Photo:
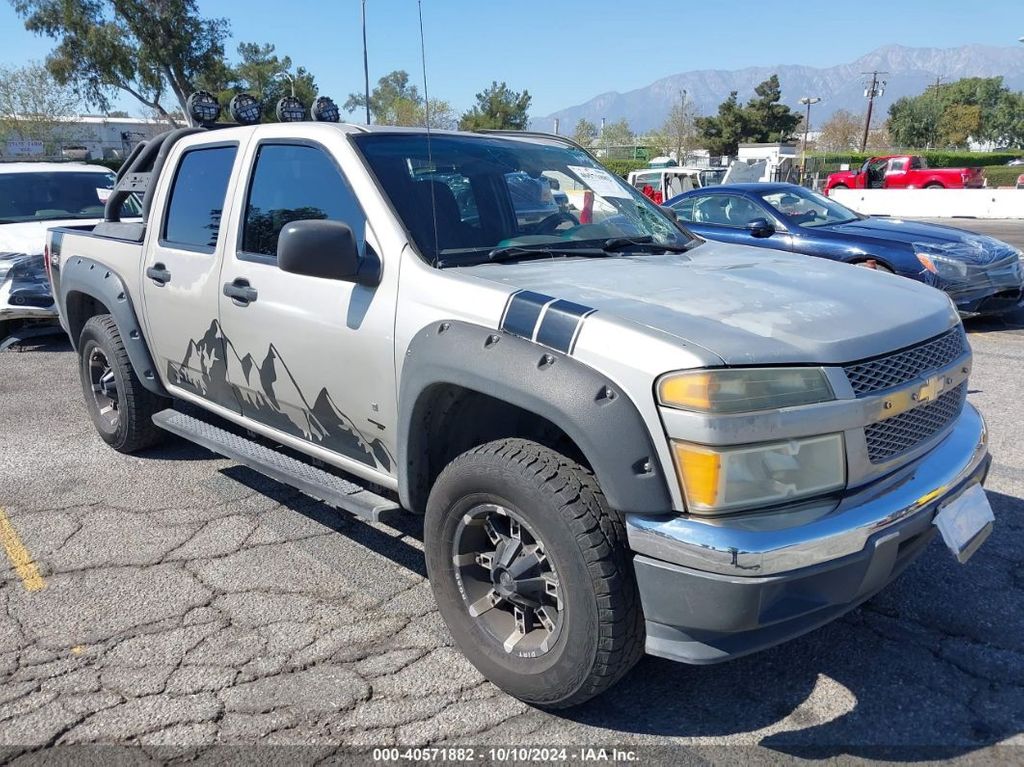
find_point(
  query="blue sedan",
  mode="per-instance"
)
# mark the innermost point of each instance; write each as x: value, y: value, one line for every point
x: 981, y: 274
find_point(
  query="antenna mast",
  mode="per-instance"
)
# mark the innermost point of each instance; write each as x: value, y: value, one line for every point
x: 366, y: 68
x: 426, y: 119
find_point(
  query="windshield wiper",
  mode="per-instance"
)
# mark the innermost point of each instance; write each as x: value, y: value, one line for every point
x: 616, y: 244
x: 511, y: 252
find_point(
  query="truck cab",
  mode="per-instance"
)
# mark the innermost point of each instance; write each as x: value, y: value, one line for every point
x: 622, y: 438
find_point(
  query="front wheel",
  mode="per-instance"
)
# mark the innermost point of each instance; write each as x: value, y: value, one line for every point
x: 121, y: 408
x: 532, y: 573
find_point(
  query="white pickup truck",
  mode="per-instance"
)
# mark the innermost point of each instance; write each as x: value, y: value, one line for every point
x: 622, y: 437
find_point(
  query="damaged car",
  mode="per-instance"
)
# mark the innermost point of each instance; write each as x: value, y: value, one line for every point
x: 982, y: 275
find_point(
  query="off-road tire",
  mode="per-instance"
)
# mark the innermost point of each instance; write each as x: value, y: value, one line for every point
x: 601, y: 632
x: 134, y: 429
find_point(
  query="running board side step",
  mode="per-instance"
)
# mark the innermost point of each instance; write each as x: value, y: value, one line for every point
x: 320, y: 484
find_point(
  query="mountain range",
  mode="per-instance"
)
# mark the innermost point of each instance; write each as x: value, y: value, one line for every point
x: 910, y: 71
x: 267, y: 392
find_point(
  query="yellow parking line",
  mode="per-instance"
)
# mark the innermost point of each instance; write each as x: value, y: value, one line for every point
x: 23, y: 563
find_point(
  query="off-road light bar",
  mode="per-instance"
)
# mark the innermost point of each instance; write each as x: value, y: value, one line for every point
x: 203, y: 107
x: 245, y: 109
x: 324, y: 110
x: 290, y: 110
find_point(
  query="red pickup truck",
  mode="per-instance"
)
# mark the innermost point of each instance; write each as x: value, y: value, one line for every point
x: 904, y: 171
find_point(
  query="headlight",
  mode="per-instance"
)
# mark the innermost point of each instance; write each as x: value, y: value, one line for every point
x: 717, y: 480
x: 742, y: 390
x: 950, y: 268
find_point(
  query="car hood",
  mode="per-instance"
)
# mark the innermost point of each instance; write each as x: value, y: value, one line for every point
x: 30, y: 236
x: 975, y: 248
x: 746, y: 305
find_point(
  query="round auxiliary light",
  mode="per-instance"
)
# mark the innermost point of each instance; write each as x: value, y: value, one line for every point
x: 290, y: 110
x: 245, y: 109
x: 324, y: 110
x: 203, y: 107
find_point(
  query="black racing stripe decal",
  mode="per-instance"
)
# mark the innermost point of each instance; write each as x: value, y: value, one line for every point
x: 522, y: 313
x: 561, y: 325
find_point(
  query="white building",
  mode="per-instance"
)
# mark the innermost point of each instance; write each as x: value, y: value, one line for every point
x: 85, y: 137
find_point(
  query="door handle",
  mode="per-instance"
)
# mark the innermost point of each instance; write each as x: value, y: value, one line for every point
x: 240, y: 291
x: 159, y: 274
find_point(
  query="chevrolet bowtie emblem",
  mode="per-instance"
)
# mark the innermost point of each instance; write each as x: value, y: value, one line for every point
x: 930, y: 390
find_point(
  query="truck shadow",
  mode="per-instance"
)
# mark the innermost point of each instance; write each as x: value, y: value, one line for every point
x: 931, y: 668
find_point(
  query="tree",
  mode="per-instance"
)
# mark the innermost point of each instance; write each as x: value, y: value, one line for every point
x: 585, y: 133
x: 616, y: 134
x: 721, y: 134
x: 841, y: 132
x: 762, y: 119
x: 679, y: 131
x: 393, y: 102
x: 35, y: 107
x: 958, y: 124
x: 261, y: 73
x: 442, y: 115
x: 948, y: 115
x: 498, y: 107
x: 767, y: 119
x: 146, y: 48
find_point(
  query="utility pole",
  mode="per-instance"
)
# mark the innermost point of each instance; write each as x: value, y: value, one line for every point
x: 366, y: 68
x: 873, y: 91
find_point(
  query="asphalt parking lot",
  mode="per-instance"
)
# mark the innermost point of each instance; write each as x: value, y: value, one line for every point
x: 181, y: 599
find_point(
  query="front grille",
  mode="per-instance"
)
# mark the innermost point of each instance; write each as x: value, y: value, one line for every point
x: 899, y: 434
x: 895, y: 369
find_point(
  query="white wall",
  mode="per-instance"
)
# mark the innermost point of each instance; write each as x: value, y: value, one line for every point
x: 934, y: 203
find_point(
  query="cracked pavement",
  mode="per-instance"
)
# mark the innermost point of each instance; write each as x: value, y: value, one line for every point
x: 190, y: 601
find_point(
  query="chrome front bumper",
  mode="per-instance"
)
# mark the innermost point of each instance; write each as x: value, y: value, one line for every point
x: 782, y: 541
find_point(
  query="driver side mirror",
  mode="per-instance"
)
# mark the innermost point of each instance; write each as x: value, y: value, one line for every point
x: 760, y: 227
x: 325, y: 249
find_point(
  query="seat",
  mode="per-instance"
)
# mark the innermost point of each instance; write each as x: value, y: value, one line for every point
x: 452, y: 231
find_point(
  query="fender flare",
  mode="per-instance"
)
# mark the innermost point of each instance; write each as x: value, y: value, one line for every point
x: 91, y: 278
x: 592, y: 410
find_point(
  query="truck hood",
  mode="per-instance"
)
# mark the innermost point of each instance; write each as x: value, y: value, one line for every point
x: 746, y: 305
x: 30, y: 236
x: 958, y: 243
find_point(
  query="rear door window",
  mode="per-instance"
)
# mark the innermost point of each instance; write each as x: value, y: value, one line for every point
x: 197, y: 198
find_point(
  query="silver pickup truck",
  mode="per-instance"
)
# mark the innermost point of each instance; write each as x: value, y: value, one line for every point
x: 621, y: 437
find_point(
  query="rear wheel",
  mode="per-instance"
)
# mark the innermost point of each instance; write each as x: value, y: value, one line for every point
x: 121, y: 408
x: 531, y: 572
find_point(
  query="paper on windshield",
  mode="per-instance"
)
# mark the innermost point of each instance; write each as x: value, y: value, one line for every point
x: 600, y: 180
x: 103, y: 194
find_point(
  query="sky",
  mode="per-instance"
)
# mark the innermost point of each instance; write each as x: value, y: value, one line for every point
x: 568, y: 51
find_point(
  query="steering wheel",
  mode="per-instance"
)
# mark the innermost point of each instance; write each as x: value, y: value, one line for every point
x: 549, y: 224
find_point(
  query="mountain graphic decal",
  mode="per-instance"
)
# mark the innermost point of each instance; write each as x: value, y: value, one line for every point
x: 268, y: 393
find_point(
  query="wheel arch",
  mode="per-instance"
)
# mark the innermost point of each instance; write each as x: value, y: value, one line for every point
x: 463, y: 383
x: 89, y: 288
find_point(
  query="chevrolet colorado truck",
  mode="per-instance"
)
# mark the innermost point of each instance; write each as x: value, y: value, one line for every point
x: 904, y: 171
x: 621, y: 437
